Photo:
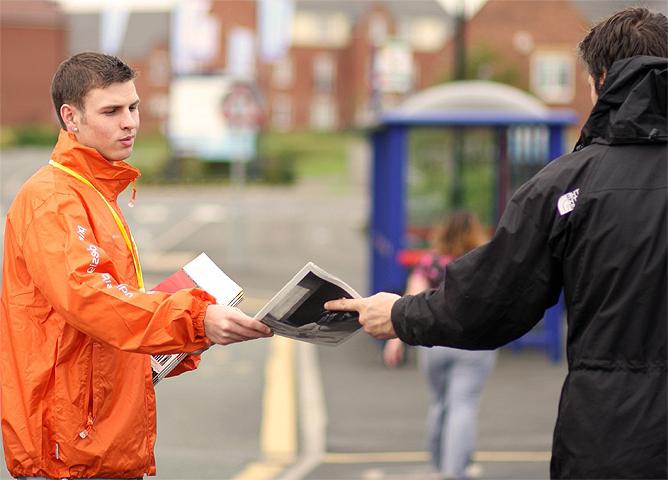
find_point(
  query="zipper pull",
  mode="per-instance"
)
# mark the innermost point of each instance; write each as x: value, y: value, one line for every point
x: 89, y: 425
x: 131, y: 203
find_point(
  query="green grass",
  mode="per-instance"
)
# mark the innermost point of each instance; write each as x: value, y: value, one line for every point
x: 314, y: 154
x: 282, y: 158
x: 432, y: 175
x: 151, y: 153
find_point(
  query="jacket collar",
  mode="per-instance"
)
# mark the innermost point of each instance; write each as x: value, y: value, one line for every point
x: 632, y: 105
x: 110, y: 178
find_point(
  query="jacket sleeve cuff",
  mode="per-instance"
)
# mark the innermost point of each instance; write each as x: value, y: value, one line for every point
x: 398, y: 317
x: 203, y: 300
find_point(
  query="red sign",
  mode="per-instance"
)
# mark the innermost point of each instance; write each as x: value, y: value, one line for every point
x: 242, y: 106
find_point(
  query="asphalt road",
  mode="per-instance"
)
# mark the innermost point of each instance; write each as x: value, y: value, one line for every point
x: 273, y: 410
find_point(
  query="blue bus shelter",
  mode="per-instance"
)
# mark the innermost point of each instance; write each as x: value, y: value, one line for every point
x: 458, y: 105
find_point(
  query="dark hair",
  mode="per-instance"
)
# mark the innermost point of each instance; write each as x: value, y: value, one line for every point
x: 83, y: 72
x: 459, y: 233
x: 629, y: 32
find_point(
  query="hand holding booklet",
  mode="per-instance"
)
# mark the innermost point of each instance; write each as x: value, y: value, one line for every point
x: 202, y: 273
x: 297, y: 311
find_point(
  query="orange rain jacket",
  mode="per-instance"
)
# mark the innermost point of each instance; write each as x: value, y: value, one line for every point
x: 76, y: 394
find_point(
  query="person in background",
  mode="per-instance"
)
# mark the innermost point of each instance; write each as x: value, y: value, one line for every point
x: 76, y: 326
x: 592, y: 223
x: 456, y: 377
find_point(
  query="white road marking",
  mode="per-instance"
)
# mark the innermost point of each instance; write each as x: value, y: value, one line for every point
x: 151, y: 214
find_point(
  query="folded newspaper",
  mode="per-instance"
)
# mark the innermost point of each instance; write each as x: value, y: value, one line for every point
x: 297, y: 311
x: 202, y: 273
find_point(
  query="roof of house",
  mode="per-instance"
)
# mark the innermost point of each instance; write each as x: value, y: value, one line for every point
x: 145, y: 30
x: 597, y: 10
x: 355, y: 8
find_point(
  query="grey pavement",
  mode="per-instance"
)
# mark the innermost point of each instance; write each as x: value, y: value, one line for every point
x: 210, y: 421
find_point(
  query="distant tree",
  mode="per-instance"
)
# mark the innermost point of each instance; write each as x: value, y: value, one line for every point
x: 485, y: 63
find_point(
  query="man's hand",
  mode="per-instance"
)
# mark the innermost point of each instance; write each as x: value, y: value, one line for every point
x: 225, y: 325
x: 393, y: 352
x: 375, y: 312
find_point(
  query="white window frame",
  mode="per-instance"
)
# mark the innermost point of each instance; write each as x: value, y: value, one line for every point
x: 323, y: 115
x: 324, y: 73
x: 282, y: 113
x: 282, y: 74
x: 546, y: 67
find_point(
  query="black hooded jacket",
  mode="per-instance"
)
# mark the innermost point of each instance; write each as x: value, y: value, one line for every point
x: 593, y: 223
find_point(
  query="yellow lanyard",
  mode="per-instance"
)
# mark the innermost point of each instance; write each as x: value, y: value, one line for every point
x: 129, y: 241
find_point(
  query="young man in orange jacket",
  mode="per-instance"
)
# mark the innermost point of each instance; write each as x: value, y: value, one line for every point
x: 76, y: 326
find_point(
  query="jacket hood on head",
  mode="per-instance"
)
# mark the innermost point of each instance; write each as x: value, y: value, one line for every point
x: 632, y: 105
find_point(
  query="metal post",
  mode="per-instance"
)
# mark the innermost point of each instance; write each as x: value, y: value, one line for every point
x: 458, y: 167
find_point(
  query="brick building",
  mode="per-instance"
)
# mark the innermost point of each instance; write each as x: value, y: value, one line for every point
x: 533, y: 45
x: 324, y: 80
x: 32, y: 45
x: 328, y: 78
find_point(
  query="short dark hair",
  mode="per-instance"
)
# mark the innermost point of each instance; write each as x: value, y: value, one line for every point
x: 83, y: 72
x: 627, y: 33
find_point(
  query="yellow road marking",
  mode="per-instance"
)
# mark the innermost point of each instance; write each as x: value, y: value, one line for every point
x: 527, y: 456
x: 278, y: 433
x: 260, y: 471
x: 278, y: 436
x: 375, y: 457
x: 417, y: 457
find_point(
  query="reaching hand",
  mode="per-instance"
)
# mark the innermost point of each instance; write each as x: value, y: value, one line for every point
x: 375, y: 312
x: 225, y: 325
x: 393, y: 352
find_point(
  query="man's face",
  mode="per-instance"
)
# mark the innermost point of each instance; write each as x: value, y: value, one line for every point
x: 109, y: 120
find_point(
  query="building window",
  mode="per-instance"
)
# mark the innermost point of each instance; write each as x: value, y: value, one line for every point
x: 282, y: 74
x: 324, y: 71
x: 281, y: 113
x: 553, y: 76
x: 377, y: 30
x: 323, y: 114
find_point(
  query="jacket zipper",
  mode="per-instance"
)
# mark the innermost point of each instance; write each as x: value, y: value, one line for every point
x: 89, y: 407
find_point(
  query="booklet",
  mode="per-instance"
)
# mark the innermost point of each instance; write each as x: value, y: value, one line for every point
x: 297, y: 311
x: 202, y: 273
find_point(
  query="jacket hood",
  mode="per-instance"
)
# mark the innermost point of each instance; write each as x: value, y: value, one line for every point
x: 632, y: 105
x: 110, y: 178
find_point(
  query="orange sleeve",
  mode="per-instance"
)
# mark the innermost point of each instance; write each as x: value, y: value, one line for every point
x: 83, y: 286
x: 191, y: 362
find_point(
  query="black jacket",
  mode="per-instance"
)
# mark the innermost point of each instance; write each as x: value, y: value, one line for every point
x: 592, y: 223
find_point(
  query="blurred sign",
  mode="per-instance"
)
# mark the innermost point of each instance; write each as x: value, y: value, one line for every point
x: 241, y: 106
x: 214, y: 117
x: 393, y: 67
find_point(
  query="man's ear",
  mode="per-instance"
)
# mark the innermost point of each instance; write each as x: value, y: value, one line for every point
x: 601, y: 80
x: 70, y: 117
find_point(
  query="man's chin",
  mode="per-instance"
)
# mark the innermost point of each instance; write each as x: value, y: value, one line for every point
x: 120, y: 156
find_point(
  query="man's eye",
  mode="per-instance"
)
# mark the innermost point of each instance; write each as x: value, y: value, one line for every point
x: 109, y: 112
x: 134, y: 107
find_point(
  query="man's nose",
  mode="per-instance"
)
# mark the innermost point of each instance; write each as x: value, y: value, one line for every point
x: 130, y: 119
